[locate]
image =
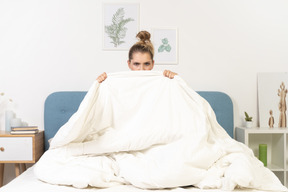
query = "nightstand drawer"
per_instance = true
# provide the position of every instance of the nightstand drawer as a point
(16, 149)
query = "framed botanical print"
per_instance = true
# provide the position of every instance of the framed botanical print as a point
(120, 25)
(272, 98)
(165, 42)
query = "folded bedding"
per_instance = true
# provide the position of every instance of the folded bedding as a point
(143, 129)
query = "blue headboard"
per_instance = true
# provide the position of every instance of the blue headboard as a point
(60, 106)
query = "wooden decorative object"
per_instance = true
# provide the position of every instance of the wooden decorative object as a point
(282, 105)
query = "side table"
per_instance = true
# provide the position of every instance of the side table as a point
(19, 149)
(277, 147)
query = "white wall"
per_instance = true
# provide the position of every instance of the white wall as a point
(47, 46)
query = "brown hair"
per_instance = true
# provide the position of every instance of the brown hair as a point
(144, 45)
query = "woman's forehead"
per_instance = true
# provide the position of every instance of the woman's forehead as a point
(139, 56)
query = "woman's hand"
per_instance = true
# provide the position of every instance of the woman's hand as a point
(102, 77)
(169, 74)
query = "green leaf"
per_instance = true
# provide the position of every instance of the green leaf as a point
(161, 48)
(168, 48)
(165, 41)
(117, 30)
(118, 16)
(247, 117)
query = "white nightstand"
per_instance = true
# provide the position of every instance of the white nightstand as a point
(19, 149)
(277, 146)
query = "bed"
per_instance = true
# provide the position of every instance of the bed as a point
(60, 106)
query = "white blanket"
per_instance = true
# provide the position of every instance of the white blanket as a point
(150, 131)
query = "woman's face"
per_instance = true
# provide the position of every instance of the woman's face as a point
(140, 61)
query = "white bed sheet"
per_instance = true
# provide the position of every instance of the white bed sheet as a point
(27, 182)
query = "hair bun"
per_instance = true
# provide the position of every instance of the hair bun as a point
(144, 45)
(143, 36)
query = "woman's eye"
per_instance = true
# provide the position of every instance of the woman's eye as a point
(147, 64)
(136, 64)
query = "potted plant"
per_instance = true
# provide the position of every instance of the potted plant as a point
(248, 120)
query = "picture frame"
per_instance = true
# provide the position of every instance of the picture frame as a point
(272, 96)
(120, 25)
(165, 42)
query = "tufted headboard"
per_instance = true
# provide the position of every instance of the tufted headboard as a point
(60, 106)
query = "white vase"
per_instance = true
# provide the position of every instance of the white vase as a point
(8, 116)
(249, 124)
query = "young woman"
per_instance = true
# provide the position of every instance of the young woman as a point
(141, 56)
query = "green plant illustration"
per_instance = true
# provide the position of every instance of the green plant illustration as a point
(117, 30)
(165, 46)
